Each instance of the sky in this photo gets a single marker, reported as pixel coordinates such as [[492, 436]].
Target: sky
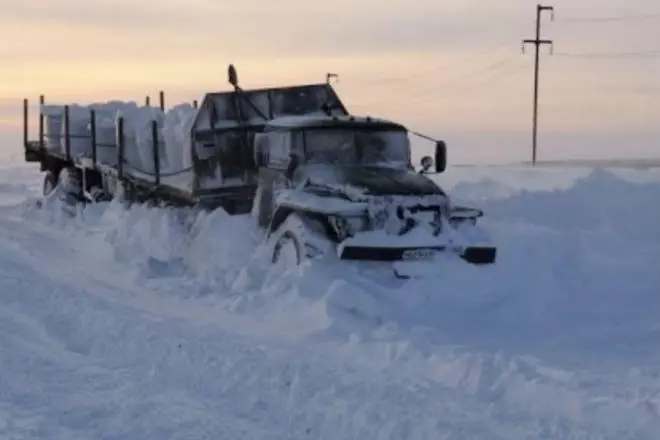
[[451, 69]]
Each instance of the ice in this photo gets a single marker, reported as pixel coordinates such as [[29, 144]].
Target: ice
[[172, 323]]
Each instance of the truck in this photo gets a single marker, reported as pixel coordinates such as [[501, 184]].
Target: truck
[[319, 181]]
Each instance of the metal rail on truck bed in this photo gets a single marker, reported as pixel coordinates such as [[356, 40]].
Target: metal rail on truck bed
[[143, 185]]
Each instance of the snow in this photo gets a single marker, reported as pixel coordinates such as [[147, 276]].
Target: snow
[[177, 134], [320, 117], [173, 132], [53, 125], [328, 205], [169, 323]]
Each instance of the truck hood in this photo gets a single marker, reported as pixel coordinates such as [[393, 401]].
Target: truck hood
[[374, 181]]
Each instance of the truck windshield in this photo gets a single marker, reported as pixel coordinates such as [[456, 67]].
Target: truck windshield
[[352, 147]]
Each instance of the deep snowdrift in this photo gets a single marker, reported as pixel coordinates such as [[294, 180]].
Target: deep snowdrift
[[152, 323]]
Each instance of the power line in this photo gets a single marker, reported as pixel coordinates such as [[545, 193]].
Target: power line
[[613, 19], [469, 88], [411, 78], [423, 93], [421, 100], [620, 55]]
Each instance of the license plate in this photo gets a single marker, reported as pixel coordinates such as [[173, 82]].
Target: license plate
[[418, 255]]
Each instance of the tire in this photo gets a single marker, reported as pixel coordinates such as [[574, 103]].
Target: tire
[[71, 181], [297, 240], [70, 185], [97, 194], [50, 183], [288, 250]]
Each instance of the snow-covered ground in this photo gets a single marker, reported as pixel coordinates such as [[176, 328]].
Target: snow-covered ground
[[155, 324]]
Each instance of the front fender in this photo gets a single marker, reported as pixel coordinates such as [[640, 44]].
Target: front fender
[[320, 220], [312, 206], [304, 201], [280, 214]]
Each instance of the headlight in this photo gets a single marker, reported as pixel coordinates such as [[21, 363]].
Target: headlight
[[348, 226]]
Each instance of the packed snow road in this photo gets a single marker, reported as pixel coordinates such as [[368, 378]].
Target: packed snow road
[[151, 324]]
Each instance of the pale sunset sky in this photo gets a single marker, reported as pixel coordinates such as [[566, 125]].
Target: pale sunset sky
[[452, 69]]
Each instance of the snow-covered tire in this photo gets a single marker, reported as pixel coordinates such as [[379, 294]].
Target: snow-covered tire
[[97, 194], [298, 239], [288, 250], [71, 180], [50, 183], [69, 184]]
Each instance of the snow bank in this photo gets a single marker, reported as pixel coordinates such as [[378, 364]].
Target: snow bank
[[558, 339], [487, 182]]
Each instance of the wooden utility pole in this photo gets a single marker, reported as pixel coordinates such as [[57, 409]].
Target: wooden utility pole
[[537, 42]]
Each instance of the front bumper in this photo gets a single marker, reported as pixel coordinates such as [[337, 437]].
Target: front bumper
[[471, 254]]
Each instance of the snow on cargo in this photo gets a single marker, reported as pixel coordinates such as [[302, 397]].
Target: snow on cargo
[[53, 117], [140, 139]]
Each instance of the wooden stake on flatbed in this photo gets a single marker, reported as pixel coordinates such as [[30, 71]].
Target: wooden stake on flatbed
[[120, 147], [42, 100], [25, 123], [67, 135], [92, 127], [154, 138]]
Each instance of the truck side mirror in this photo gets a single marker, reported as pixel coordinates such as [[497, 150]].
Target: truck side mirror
[[426, 163], [440, 156]]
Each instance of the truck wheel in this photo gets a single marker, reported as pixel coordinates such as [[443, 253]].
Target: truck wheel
[[70, 179], [287, 250], [298, 239], [50, 182], [69, 186], [289, 242]]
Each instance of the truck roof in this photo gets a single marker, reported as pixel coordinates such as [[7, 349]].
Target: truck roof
[[258, 106], [322, 120]]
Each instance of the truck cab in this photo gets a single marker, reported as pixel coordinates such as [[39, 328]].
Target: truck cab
[[334, 154], [349, 183]]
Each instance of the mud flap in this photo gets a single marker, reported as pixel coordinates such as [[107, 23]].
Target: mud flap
[[479, 255]]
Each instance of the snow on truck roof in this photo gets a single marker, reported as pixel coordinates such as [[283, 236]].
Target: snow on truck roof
[[324, 120]]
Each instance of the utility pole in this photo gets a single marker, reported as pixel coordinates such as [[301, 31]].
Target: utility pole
[[538, 42]]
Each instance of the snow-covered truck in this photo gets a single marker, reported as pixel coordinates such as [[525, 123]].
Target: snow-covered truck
[[318, 180]]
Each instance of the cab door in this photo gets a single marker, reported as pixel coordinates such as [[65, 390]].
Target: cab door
[[272, 152]]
